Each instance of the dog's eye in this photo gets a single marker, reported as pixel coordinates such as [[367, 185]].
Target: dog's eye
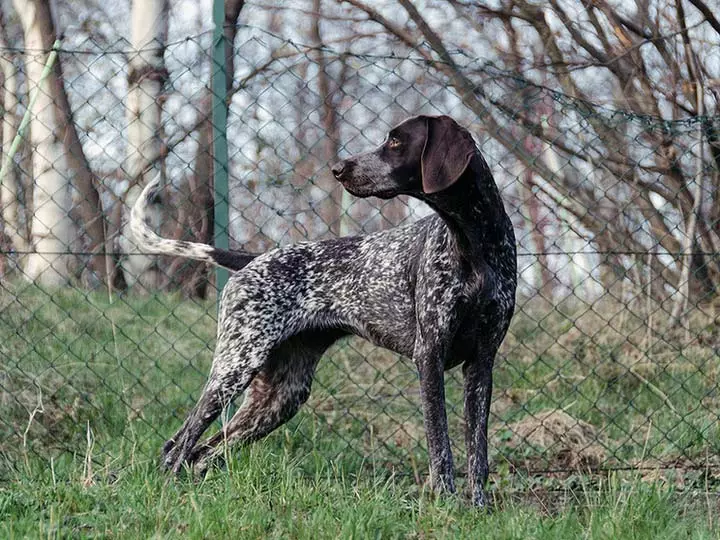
[[394, 143]]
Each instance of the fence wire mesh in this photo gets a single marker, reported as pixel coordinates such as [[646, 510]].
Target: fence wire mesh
[[612, 358]]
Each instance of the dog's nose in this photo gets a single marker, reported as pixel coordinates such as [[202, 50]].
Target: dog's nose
[[338, 169]]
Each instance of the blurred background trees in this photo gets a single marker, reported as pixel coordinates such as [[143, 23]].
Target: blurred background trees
[[599, 119]]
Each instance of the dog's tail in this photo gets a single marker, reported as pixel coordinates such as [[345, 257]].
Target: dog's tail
[[148, 241]]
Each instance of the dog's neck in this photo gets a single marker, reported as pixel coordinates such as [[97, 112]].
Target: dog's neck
[[473, 211]]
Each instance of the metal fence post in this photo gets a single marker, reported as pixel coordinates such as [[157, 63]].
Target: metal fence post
[[220, 148]]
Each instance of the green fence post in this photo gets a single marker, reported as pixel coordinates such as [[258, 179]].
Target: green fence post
[[220, 148]]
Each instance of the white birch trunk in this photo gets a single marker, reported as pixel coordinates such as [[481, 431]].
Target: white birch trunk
[[10, 189], [146, 76], [52, 229]]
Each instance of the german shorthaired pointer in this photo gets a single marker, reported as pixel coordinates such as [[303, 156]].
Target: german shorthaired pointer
[[440, 291]]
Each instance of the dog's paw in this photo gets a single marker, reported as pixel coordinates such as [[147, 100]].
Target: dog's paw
[[169, 459], [175, 454], [201, 467], [168, 455], [208, 459], [167, 449], [169, 445], [479, 500]]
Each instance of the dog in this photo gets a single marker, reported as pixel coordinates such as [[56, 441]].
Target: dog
[[440, 291]]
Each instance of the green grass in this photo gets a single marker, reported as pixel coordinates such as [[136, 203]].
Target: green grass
[[91, 386], [267, 495]]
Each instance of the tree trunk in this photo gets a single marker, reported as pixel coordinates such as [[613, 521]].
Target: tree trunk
[[10, 191], [232, 12], [546, 285], [52, 229], [333, 210], [196, 202], [91, 214], [196, 210], [146, 77]]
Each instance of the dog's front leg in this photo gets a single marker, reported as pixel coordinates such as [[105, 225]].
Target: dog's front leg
[[432, 394], [478, 389]]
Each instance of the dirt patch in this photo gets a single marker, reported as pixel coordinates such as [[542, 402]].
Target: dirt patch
[[550, 439]]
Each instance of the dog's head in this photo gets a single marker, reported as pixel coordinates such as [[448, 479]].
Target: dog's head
[[423, 155]]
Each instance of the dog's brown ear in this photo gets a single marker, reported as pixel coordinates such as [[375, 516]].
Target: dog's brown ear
[[447, 153]]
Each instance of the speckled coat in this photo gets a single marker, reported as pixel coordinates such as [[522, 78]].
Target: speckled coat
[[440, 291]]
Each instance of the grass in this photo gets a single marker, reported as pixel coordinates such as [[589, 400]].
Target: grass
[[90, 387], [267, 495]]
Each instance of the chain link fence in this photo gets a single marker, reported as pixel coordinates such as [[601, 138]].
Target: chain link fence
[[612, 360]]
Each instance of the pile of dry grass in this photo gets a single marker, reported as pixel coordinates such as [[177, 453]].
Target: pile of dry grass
[[551, 439]]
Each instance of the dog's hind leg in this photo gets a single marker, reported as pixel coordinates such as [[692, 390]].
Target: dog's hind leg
[[274, 396], [207, 409], [242, 351]]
